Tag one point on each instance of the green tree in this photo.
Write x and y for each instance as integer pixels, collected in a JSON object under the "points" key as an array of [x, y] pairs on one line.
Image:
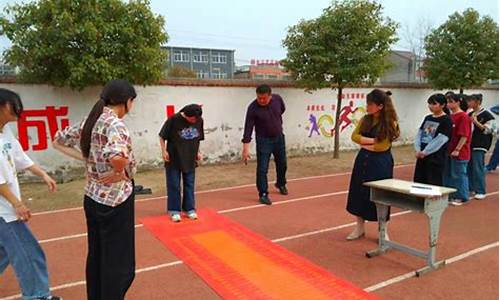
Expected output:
{"points": [[81, 43], [347, 45], [177, 71], [462, 52]]}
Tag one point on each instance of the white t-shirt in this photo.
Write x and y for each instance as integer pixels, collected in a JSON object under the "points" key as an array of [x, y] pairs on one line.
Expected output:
{"points": [[12, 159]]}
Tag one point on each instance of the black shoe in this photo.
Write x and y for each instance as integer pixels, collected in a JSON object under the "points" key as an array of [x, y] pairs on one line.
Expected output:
{"points": [[50, 298], [264, 199], [283, 190], [140, 190]]}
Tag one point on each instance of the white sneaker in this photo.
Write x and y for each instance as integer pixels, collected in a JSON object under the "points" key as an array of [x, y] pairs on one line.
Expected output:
{"points": [[479, 196], [175, 218], [457, 202], [193, 215]]}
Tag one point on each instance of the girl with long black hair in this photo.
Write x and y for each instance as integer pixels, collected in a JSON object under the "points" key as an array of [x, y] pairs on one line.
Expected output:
{"points": [[106, 148], [375, 133]]}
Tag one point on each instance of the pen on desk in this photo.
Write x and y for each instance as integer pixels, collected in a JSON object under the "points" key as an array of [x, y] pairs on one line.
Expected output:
{"points": [[421, 187]]}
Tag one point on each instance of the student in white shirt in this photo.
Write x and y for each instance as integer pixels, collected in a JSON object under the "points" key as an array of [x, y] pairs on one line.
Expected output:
{"points": [[18, 246]]}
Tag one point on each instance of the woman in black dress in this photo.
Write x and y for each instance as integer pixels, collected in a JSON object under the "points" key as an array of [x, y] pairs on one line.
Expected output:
{"points": [[375, 134]]}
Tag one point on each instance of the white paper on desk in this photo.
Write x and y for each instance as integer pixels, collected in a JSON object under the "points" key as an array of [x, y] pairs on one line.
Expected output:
{"points": [[425, 190]]}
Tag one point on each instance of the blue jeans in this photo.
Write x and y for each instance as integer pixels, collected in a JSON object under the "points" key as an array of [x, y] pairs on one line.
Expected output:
{"points": [[266, 147], [19, 248], [455, 176], [493, 164], [174, 190], [477, 173]]}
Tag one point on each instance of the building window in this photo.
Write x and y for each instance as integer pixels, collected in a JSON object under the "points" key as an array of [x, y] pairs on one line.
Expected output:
{"points": [[200, 57], [219, 58], [202, 75], [258, 76], [181, 56], [272, 77], [217, 74]]}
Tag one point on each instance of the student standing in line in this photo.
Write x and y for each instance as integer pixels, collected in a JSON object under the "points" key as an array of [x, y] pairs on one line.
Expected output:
{"points": [[482, 137], [431, 142], [455, 171], [493, 164]]}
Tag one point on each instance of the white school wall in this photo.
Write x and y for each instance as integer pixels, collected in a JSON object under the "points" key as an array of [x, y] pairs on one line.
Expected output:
{"points": [[224, 111]]}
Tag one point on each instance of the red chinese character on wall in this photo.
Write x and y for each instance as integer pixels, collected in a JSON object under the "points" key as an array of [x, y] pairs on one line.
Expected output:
{"points": [[48, 116], [170, 110]]}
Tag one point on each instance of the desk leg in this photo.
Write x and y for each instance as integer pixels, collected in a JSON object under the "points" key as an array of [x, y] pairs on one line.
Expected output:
{"points": [[382, 212], [434, 223]]}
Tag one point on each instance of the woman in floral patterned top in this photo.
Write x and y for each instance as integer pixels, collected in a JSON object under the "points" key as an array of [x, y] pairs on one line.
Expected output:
{"points": [[105, 147]]}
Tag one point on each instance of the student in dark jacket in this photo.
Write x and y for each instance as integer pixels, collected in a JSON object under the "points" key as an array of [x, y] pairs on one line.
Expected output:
{"points": [[482, 137], [431, 142], [182, 134]]}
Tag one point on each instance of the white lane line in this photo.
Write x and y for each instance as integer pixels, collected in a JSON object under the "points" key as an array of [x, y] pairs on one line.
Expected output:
{"points": [[80, 235], [225, 211], [409, 275], [329, 229], [74, 236], [210, 191]]}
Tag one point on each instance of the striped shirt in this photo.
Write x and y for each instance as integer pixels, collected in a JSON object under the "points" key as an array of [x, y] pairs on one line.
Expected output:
{"points": [[110, 138]]}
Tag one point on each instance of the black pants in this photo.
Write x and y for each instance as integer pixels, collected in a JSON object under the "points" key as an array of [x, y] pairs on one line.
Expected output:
{"points": [[428, 171], [111, 249], [266, 147]]}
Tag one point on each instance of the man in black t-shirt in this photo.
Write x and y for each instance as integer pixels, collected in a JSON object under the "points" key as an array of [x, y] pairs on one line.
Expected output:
{"points": [[182, 133]]}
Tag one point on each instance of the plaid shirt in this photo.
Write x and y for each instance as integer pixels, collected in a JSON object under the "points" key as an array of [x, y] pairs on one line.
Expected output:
{"points": [[110, 137]]}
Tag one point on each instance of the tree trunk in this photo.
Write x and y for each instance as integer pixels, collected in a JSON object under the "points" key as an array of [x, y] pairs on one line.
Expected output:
{"points": [[336, 144], [461, 90]]}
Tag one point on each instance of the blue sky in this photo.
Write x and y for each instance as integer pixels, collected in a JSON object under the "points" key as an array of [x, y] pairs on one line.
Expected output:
{"points": [[256, 28]]}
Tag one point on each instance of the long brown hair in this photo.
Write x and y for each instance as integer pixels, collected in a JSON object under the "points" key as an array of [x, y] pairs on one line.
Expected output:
{"points": [[115, 92], [388, 126]]}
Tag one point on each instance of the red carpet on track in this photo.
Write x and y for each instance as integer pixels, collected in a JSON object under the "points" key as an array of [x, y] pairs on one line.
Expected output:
{"points": [[240, 264]]}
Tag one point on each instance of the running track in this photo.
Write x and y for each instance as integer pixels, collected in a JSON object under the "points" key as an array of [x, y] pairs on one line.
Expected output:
{"points": [[311, 222]]}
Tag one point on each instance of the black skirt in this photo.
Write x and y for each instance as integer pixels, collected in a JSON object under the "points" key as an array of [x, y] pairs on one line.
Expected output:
{"points": [[368, 166]]}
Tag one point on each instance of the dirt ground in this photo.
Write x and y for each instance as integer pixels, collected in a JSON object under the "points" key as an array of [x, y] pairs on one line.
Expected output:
{"points": [[70, 194]]}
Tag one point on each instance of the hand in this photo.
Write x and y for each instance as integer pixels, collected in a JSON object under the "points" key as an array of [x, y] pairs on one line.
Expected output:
{"points": [[245, 156], [420, 155], [113, 177], [455, 153], [50, 183], [367, 141], [23, 213], [199, 156], [166, 156], [368, 147]]}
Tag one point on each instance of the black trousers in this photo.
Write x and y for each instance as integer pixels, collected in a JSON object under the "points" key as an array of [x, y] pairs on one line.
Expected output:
{"points": [[428, 171], [266, 147], [111, 249]]}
